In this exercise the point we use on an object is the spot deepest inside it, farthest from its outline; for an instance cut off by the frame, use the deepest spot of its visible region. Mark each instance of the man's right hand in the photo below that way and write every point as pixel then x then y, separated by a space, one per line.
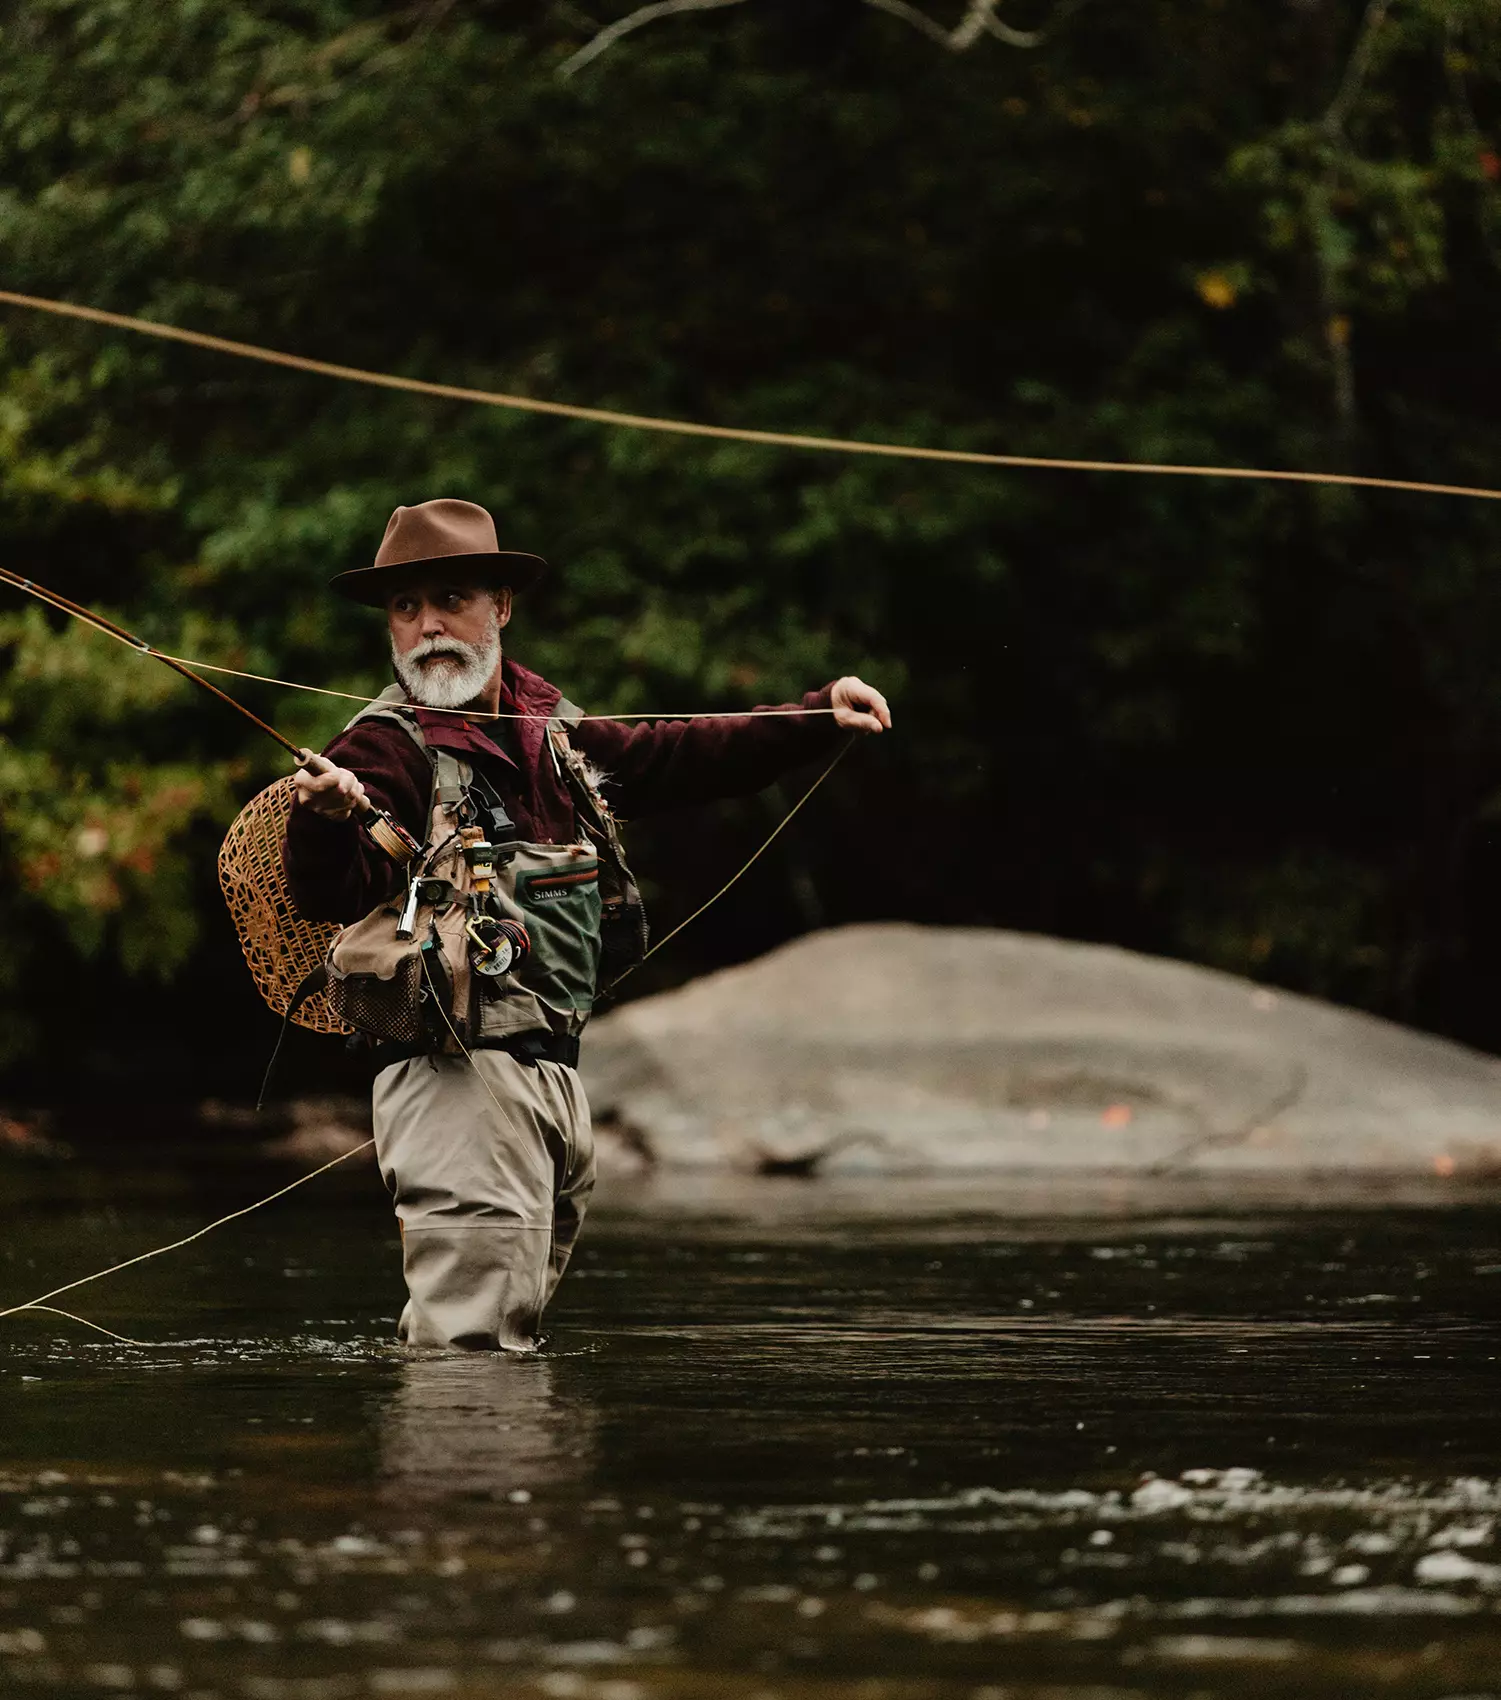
pixel 327 789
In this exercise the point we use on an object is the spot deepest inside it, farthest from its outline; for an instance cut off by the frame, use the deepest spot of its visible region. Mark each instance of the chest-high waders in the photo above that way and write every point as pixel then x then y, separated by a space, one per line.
pixel 474 984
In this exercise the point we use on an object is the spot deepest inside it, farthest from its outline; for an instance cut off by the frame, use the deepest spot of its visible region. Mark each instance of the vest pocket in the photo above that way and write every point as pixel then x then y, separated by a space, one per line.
pixel 546 888
pixel 555 889
pixel 376 984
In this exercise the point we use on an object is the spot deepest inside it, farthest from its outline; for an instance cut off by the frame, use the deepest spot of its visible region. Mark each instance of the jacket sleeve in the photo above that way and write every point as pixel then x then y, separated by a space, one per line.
pixel 658 764
pixel 334 871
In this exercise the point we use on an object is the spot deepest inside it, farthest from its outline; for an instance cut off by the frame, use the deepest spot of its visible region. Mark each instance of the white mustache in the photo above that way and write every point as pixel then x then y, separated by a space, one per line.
pixel 445 649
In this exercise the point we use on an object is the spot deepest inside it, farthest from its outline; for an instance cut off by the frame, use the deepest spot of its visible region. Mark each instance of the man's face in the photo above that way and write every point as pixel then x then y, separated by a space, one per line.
pixel 439 608
pixel 445 639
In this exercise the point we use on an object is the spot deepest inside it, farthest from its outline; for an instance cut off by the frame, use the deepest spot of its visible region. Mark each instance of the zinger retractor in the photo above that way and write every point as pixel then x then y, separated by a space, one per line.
pixel 435 893
pixel 497 947
pixel 479 853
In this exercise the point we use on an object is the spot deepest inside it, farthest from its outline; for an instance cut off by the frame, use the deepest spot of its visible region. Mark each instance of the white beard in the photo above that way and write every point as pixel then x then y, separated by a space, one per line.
pixel 455 680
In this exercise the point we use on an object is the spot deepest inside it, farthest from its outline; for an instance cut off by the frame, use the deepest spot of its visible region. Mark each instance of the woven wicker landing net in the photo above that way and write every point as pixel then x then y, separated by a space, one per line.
pixel 280 947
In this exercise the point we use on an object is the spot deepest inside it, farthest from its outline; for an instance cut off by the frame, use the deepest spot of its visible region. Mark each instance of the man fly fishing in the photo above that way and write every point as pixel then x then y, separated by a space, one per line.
pixel 473 965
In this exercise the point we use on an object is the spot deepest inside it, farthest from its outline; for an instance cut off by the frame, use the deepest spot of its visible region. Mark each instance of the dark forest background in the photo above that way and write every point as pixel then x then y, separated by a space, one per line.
pixel 1248 725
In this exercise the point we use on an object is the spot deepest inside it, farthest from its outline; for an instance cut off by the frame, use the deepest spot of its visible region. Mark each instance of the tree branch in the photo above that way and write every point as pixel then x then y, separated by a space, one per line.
pixel 978 20
pixel 1330 256
pixel 1359 63
pixel 607 38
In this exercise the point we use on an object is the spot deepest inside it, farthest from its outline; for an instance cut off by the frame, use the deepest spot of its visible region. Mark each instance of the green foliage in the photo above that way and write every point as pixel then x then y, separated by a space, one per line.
pixel 1191 716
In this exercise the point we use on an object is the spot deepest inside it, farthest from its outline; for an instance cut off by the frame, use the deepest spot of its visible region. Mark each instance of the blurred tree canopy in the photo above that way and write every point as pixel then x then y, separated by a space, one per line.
pixel 1256 726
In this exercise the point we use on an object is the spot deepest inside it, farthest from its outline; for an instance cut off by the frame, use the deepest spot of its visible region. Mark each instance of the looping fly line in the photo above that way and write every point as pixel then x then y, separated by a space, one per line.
pixel 500 714
pixel 640 422
pixel 186 666
pixel 41 1301
pixel 723 433
pixel 40 1304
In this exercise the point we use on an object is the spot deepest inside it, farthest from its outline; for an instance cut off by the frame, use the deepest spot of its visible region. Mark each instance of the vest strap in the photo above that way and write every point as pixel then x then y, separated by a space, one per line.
pixel 451 777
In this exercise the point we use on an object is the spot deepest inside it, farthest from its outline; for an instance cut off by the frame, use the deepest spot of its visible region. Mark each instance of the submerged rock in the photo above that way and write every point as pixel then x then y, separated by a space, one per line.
pixel 901 1048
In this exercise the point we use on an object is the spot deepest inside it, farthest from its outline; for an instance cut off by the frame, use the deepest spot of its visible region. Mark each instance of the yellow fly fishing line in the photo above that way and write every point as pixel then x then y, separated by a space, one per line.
pixel 40 1302
pixel 722 433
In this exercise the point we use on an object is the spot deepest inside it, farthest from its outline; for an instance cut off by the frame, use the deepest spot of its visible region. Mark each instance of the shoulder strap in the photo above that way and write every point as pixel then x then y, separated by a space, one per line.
pixel 392 705
pixel 450 776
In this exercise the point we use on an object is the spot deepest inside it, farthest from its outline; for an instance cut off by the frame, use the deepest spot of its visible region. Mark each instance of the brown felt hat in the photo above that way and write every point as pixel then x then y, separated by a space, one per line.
pixel 444 533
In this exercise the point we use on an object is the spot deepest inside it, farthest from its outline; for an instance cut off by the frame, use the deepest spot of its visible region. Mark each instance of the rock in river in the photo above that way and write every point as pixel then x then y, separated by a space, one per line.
pixel 901 1048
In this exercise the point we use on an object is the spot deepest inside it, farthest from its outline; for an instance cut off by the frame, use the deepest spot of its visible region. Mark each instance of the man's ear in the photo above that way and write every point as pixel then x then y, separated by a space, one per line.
pixel 503 606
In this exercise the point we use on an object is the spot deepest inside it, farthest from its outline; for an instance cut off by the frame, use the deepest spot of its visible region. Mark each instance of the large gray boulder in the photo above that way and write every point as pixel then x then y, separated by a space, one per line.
pixel 913 1049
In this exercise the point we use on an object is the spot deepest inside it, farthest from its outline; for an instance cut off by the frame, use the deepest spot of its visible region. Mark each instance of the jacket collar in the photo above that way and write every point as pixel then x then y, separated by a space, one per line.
pixel 521 692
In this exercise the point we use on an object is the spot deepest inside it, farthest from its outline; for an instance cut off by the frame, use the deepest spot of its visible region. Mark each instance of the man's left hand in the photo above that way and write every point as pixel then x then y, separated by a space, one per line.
pixel 859 707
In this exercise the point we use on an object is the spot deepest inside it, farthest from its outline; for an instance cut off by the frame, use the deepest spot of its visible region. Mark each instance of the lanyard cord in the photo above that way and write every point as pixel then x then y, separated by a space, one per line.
pixel 744 868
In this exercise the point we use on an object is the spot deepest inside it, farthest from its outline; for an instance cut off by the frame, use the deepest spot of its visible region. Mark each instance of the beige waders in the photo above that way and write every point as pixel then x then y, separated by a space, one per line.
pixel 487 1151
pixel 490 1191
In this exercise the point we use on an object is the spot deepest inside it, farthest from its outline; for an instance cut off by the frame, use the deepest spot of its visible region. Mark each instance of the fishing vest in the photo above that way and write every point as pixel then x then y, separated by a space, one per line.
pixel 418 970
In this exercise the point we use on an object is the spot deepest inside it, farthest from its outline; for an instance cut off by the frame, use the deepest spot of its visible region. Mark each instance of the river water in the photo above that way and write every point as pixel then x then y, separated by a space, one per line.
pixel 789 1440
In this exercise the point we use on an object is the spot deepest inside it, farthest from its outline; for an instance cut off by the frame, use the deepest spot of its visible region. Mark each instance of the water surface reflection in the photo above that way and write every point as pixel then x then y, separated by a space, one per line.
pixel 778 1450
pixel 483 1428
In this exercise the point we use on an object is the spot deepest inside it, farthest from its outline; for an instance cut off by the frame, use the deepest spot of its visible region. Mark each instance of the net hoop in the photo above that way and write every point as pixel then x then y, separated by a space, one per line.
pixel 281 948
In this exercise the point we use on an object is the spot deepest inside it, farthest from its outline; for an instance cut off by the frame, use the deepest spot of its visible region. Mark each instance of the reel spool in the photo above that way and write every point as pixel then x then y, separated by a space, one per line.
pixel 497 947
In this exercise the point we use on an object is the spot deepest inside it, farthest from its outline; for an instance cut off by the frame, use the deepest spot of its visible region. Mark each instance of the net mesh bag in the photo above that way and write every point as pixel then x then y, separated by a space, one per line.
pixel 281 948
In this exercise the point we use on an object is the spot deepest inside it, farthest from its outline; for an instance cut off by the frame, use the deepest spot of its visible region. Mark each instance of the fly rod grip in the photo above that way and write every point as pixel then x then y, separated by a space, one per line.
pixel 311 762
pixel 386 832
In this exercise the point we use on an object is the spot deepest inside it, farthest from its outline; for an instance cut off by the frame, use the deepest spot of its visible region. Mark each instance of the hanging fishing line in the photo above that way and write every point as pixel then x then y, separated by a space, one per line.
pixel 40 1302
pixel 611 418
pixel 744 868
pixel 98 1327
pixel 722 433
pixel 437 997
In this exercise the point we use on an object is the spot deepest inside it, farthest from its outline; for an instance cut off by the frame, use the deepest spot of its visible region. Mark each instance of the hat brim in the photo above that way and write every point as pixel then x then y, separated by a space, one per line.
pixel 506 568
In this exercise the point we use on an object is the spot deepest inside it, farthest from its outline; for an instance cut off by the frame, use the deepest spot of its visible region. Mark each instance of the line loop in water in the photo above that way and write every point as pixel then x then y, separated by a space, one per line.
pixel 40 1302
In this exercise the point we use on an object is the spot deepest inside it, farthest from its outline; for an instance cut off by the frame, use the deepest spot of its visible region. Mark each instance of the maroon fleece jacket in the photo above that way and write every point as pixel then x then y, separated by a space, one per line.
pixel 337 874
